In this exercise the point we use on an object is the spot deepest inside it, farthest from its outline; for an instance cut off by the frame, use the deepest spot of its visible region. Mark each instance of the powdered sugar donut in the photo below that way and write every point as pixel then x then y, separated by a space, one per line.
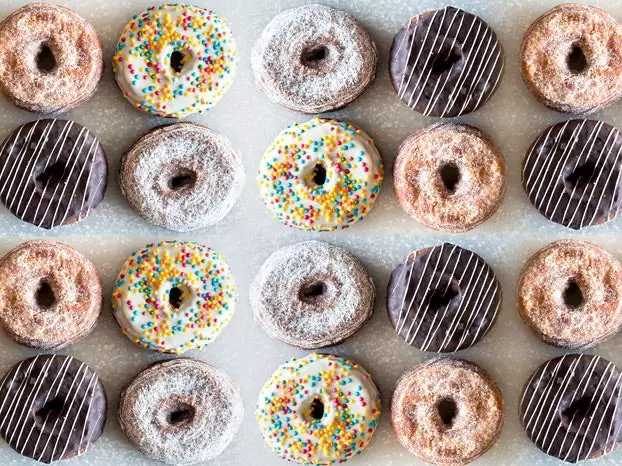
pixel 174 60
pixel 182 177
pixel 314 59
pixel 181 411
pixel 174 296
pixel 320 409
pixel 312 294
pixel 320 175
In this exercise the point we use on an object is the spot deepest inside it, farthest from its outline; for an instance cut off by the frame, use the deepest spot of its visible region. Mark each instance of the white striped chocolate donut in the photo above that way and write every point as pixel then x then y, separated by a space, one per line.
pixel 181 411
pixel 175 60
pixel 446 63
pixel 50 295
pixel 314 59
pixel 51 59
pixel 52 172
pixel 312 295
pixel 182 177
pixel 52 407
pixel 443 299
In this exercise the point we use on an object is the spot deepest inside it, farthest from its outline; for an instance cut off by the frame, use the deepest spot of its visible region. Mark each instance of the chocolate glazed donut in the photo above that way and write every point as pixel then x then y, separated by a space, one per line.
pixel 570 407
pixel 52 172
pixel 52 407
pixel 443 299
pixel 572 171
pixel 446 63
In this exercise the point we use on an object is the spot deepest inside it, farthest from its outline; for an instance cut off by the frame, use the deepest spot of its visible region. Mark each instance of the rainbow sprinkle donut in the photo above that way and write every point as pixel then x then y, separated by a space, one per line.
pixel 175 60
pixel 321 175
pixel 320 409
pixel 174 296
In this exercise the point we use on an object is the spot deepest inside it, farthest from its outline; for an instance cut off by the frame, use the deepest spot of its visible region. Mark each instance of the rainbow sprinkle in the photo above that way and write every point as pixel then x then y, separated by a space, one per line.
pixel 142 60
pixel 296 431
pixel 350 175
pixel 174 296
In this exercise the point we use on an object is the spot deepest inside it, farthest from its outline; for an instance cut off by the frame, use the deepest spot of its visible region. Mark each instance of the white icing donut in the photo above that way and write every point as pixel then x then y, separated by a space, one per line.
pixel 320 175
pixel 308 401
pixel 174 296
pixel 175 60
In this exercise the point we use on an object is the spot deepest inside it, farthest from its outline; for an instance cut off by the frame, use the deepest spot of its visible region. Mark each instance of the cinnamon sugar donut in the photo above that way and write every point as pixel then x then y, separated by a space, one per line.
pixel 447 411
pixel 312 295
pixel 449 176
pixel 571 59
pixel 570 294
pixel 182 177
pixel 50 295
pixel 314 59
pixel 181 411
pixel 51 59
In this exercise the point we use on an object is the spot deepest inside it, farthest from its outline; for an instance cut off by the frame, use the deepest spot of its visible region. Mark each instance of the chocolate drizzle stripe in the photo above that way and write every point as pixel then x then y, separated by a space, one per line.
pixel 556 156
pixel 15 401
pixel 477 306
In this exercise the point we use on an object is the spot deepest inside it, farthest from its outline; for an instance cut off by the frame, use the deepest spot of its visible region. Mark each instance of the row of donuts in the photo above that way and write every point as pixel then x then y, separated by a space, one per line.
pixel 174 60
pixel 320 175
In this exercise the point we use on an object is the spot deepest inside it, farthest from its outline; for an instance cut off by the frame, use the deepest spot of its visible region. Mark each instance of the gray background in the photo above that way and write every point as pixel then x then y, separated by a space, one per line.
pixel 248 235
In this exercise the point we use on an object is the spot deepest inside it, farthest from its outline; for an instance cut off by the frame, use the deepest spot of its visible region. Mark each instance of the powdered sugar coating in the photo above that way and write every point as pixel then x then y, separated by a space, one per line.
pixel 182 150
pixel 314 59
pixel 184 385
pixel 312 295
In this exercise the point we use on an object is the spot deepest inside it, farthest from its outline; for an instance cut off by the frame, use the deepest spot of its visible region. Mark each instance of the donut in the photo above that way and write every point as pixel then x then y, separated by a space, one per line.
pixel 443 299
pixel 570 407
pixel 320 409
pixel 570 294
pixel 571 173
pixel 449 177
pixel 52 172
pixel 174 296
pixel 446 63
pixel 314 59
pixel 181 411
pixel 447 411
pixel 571 59
pixel 51 59
pixel 175 60
pixel 321 175
pixel 53 407
pixel 182 177
pixel 50 295
pixel 312 294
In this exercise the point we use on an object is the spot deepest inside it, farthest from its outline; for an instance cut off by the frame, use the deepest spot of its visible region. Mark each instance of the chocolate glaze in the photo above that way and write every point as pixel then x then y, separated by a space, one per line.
pixel 571 173
pixel 570 407
pixel 446 63
pixel 52 172
pixel 443 299
pixel 52 407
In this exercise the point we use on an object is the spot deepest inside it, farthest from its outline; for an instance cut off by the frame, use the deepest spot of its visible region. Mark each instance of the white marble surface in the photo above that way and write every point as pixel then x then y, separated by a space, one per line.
pixel 248 235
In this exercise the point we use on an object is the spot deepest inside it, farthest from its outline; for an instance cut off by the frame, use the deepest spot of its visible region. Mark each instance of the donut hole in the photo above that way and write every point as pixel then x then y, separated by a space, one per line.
pixel 572 295
pixel 577 178
pixel 182 180
pixel 181 414
pixel 576 60
pixel 315 410
pixel 577 409
pixel 447 410
pixel 312 293
pixel 442 297
pixel 177 61
pixel 448 57
pixel 450 176
pixel 51 410
pixel 313 57
pixel 319 175
pixel 44 295
pixel 51 175
pixel 45 59
pixel 176 297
